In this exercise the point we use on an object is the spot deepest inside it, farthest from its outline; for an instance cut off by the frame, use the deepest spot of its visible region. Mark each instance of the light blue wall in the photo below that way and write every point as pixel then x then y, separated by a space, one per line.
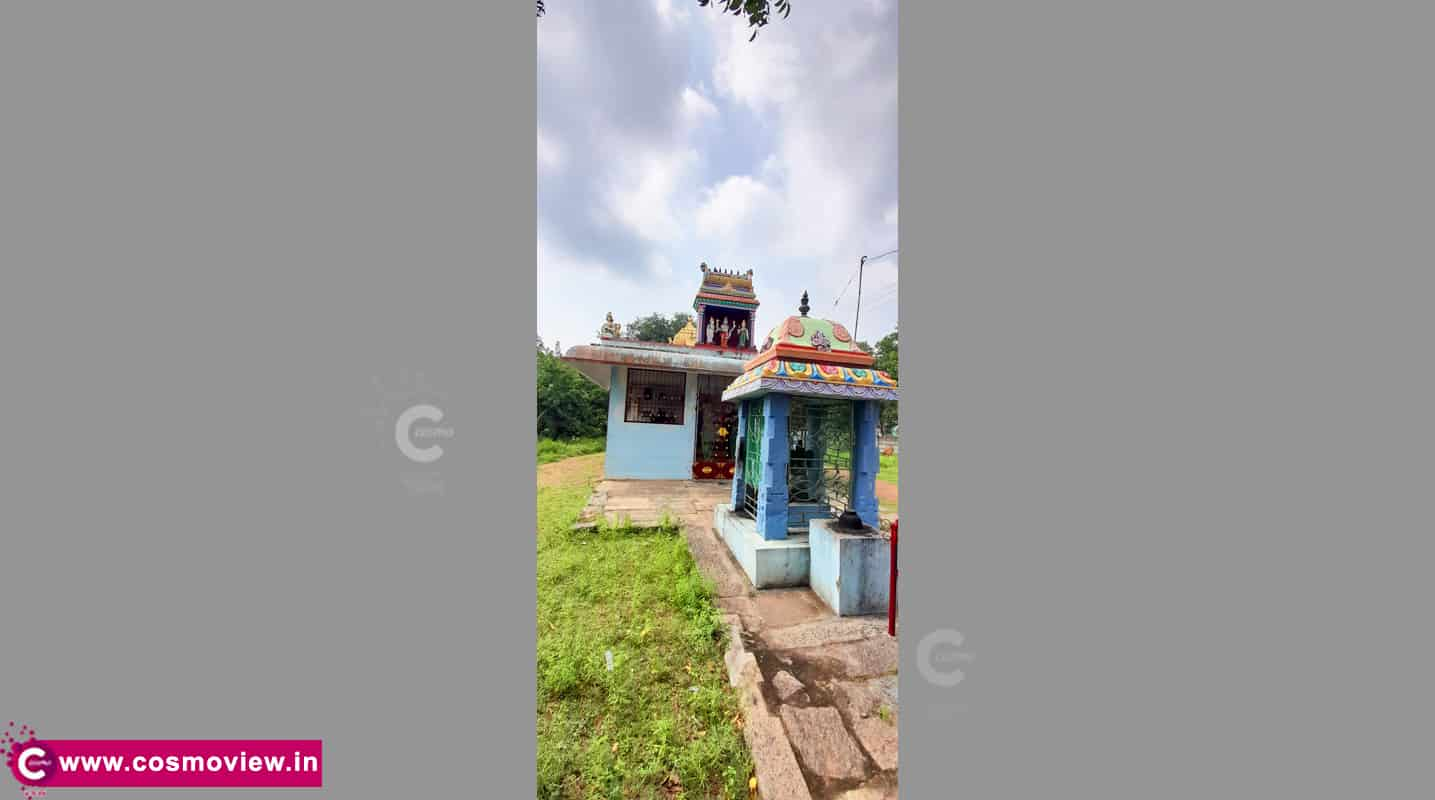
pixel 640 450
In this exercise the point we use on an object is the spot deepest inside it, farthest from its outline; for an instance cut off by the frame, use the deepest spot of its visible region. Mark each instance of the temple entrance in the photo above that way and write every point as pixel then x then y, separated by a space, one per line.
pixel 716 431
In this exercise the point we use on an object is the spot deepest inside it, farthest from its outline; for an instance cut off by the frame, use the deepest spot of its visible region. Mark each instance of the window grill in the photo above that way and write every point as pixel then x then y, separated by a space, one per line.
pixel 655 397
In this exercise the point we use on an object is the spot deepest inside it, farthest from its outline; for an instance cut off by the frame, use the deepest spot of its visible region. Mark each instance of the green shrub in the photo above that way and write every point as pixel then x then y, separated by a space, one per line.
pixel 550 450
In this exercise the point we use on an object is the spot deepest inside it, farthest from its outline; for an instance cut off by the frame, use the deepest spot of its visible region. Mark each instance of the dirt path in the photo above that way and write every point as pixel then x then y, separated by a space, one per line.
pixel 571 471
pixel 887 493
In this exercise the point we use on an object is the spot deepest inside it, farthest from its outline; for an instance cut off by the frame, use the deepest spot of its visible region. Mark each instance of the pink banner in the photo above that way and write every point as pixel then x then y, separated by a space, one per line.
pixel 164 763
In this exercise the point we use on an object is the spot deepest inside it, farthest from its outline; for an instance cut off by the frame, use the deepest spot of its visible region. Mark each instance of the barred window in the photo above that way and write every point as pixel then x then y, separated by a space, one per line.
pixel 655 397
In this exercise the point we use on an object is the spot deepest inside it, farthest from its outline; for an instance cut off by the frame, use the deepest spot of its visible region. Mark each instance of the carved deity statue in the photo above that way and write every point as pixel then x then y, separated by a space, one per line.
pixel 610 329
pixel 723 333
pixel 742 334
pixel 712 331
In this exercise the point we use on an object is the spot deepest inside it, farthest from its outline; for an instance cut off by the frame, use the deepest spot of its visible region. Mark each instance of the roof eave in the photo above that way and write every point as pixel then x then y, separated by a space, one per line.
pixel 816 389
pixel 653 358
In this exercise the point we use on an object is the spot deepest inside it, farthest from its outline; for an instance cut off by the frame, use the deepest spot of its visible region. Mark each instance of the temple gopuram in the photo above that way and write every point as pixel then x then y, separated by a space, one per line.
pixel 666 415
pixel 726 309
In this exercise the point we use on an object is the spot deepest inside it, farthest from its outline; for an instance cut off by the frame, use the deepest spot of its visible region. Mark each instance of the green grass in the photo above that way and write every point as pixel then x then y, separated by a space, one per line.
pixel 663 723
pixel 888 470
pixel 550 450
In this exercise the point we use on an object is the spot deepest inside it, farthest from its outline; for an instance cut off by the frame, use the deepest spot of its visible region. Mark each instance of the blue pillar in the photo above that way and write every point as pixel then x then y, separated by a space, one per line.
pixel 772 493
pixel 737 447
pixel 865 463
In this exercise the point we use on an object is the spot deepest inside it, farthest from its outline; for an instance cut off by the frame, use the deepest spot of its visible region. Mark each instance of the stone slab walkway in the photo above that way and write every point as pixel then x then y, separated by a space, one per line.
pixel 819 692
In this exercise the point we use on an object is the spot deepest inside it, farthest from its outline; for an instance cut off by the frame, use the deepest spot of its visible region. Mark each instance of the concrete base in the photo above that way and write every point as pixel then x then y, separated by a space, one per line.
pixel 768 563
pixel 849 571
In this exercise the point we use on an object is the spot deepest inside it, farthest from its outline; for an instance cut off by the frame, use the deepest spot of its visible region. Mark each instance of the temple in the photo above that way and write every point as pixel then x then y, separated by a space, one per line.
pixel 667 418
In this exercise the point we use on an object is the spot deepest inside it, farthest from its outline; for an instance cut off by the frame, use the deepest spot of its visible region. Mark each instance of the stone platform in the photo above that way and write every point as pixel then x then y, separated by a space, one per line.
pixel 768 563
pixel 850 571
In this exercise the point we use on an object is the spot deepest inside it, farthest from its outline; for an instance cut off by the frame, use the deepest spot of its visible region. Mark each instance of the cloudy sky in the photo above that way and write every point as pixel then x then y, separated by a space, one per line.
pixel 666 139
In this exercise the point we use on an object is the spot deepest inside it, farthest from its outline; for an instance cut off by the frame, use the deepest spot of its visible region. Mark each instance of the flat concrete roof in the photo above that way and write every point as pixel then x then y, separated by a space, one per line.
pixel 594 360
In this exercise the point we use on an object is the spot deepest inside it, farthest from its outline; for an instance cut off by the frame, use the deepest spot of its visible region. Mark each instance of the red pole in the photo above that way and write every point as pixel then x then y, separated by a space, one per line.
pixel 892 590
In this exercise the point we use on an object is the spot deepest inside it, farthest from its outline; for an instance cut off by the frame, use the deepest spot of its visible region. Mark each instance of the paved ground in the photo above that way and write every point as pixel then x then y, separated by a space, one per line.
pixel 820 701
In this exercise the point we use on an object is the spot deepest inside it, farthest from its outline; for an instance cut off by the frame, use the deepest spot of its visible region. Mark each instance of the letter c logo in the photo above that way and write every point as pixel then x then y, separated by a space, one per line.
pixel 404 437
pixel 22 763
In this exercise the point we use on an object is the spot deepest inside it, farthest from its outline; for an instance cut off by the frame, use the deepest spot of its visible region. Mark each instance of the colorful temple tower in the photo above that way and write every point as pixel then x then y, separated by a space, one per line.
pixel 726 308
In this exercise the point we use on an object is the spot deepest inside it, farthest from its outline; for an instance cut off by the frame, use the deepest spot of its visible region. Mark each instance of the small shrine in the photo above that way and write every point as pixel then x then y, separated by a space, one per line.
pixel 804 502
pixel 687 336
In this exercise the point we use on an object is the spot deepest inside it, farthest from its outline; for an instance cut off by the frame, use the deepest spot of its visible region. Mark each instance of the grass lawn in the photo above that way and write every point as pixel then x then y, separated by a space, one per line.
pixel 550 450
pixel 888 470
pixel 663 722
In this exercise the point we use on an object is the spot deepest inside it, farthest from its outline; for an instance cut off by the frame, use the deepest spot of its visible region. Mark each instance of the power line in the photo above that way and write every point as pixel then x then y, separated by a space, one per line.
pixel 854 274
pixel 860 265
pixel 884 297
pixel 845 288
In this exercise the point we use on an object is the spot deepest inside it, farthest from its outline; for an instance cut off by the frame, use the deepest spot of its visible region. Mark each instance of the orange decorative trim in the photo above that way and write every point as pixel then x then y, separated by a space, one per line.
pixel 795 329
pixel 794 352
pixel 840 333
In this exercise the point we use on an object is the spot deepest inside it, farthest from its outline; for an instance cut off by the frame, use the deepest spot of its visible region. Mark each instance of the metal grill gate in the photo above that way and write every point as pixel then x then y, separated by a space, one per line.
pixel 819 467
pixel 752 458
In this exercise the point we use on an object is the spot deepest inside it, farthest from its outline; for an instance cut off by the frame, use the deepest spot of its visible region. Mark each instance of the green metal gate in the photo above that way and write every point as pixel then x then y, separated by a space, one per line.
pixel 752 457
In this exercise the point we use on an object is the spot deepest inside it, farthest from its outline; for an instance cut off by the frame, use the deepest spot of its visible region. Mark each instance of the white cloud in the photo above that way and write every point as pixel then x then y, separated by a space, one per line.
pixel 761 77
pixel 739 205
pixel 550 153
pixel 641 197
pixel 696 107
pixel 670 12
pixel 778 155
pixel 560 43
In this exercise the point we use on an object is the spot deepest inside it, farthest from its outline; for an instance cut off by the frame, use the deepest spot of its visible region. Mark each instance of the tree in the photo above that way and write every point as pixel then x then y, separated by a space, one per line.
pixel 569 405
pixel 886 360
pixel 757 12
pixel 884 357
pixel 657 327
pixel 886 354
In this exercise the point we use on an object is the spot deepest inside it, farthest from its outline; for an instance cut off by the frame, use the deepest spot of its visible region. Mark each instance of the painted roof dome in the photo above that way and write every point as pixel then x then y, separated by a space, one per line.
pixel 805 338
pixel 822 335
pixel 814 357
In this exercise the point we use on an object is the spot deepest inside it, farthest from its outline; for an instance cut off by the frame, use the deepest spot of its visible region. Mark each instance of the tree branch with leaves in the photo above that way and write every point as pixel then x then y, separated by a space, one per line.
pixel 757 12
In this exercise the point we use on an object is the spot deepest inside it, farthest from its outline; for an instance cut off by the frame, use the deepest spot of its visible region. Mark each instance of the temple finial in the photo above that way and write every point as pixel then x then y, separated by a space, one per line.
pixel 804 308
pixel 703 266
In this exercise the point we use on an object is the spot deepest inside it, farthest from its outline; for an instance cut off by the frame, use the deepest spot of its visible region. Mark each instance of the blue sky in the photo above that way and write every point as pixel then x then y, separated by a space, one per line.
pixel 666 139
